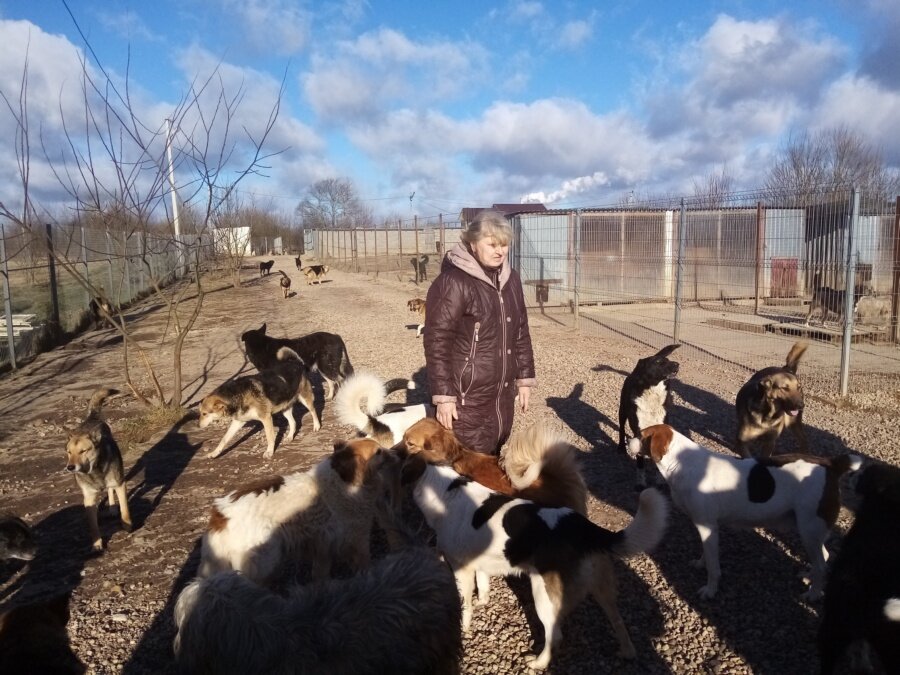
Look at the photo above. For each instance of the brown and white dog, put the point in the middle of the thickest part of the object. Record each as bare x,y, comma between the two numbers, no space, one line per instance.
770,402
324,514
94,458
314,273
417,305
714,489
536,464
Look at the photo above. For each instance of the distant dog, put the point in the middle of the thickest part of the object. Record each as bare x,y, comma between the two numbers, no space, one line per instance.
420,267
96,461
417,305
770,401
285,283
297,262
16,539
714,489
322,515
826,300
322,352
646,395
101,311
566,556
266,267
314,273
864,578
400,616
536,464
360,403
258,397
34,639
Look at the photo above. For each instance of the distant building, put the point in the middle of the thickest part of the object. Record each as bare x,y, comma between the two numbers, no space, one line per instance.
232,241
468,213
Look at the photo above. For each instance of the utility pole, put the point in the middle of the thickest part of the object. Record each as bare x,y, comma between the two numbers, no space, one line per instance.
176,221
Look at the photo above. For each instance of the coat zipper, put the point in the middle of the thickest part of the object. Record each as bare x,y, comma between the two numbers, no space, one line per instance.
503,361
470,363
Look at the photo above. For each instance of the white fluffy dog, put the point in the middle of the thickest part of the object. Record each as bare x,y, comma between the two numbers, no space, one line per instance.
360,402
323,513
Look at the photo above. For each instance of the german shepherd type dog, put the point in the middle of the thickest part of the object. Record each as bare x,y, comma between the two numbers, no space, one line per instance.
864,577
770,401
827,300
314,273
285,284
417,305
34,639
258,397
565,556
322,352
16,539
420,267
96,461
266,267
400,616
645,398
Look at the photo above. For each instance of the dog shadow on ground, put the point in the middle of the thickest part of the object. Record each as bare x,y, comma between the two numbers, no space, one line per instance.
159,467
583,418
153,654
63,547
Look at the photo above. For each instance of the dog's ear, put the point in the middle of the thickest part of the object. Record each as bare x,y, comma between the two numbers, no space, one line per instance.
413,468
344,463
263,329
659,436
766,383
665,351
219,406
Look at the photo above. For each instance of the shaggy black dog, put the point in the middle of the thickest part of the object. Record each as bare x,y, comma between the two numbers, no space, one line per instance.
420,267
865,576
266,267
322,352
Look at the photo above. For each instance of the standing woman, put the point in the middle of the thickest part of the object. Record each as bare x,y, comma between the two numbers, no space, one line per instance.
477,346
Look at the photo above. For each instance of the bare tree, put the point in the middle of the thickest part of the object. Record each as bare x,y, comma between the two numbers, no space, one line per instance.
329,203
711,192
837,157
115,172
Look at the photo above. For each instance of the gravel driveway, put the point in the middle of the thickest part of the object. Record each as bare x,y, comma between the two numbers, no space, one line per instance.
122,600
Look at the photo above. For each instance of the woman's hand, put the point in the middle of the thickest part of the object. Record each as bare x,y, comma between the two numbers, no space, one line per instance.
524,395
446,413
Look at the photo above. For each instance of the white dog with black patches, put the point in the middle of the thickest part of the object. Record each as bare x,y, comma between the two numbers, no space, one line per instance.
714,489
482,533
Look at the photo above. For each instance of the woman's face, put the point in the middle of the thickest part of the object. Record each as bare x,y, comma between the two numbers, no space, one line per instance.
490,252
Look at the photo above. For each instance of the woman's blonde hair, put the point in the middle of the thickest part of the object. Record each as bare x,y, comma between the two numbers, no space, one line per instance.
488,223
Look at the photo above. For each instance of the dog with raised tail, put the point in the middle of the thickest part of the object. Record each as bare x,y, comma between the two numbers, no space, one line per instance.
715,489
400,616
537,463
360,403
565,556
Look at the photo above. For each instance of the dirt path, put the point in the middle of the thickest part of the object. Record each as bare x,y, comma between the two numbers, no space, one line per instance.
122,599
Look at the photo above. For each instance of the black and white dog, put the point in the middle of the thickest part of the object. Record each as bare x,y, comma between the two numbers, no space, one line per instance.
863,587
482,533
360,402
320,351
646,398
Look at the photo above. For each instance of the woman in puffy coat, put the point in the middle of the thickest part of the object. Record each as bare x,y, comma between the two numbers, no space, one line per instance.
477,346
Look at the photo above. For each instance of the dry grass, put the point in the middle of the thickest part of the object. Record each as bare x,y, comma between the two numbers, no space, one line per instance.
133,431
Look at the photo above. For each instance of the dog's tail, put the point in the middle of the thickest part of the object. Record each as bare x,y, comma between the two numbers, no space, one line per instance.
793,357
345,368
359,399
646,528
285,353
541,453
97,400
844,463
892,609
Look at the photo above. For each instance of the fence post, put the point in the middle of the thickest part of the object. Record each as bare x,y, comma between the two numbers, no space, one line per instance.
895,277
760,238
400,241
109,294
849,293
87,270
387,249
143,262
126,268
7,301
365,251
416,228
441,227
54,291
576,310
679,272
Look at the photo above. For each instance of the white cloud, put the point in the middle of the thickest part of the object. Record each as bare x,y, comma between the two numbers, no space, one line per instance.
127,25
271,26
573,34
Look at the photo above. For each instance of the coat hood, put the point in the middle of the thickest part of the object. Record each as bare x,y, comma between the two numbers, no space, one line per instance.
460,256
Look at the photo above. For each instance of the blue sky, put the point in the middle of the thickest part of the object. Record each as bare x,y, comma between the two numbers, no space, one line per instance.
470,103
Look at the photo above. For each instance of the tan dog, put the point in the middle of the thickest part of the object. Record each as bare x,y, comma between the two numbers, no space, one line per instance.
537,464
769,402
285,283
96,461
315,273
418,305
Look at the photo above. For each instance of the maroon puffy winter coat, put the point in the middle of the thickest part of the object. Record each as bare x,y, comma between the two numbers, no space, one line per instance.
477,347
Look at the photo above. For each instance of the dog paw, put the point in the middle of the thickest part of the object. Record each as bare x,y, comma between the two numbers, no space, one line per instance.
269,453
97,546
539,662
316,427
481,600
707,593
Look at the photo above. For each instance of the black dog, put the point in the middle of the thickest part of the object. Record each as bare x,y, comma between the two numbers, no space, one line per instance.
322,352
266,267
865,575
828,300
297,262
16,538
420,267
33,639
645,398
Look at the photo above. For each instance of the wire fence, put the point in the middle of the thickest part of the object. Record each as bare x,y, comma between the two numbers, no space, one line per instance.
43,300
740,281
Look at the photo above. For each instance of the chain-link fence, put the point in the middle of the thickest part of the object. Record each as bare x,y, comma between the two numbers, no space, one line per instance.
43,299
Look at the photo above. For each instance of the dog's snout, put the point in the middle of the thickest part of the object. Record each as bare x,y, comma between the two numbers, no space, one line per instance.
71,468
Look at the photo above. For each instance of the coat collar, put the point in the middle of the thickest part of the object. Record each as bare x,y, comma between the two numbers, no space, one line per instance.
459,256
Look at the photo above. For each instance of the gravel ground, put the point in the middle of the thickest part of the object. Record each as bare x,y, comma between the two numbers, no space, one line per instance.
122,600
